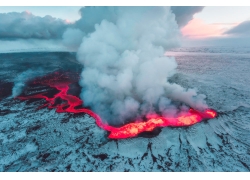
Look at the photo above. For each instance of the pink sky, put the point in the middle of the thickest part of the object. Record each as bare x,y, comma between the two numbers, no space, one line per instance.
199,29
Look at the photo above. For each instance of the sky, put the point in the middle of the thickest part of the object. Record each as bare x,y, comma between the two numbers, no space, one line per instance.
213,21
199,26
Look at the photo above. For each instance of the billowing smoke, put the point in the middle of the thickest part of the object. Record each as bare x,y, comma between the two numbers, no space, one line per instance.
125,73
72,38
21,79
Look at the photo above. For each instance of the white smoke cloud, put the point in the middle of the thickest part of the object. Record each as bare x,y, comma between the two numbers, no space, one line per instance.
21,79
72,38
125,71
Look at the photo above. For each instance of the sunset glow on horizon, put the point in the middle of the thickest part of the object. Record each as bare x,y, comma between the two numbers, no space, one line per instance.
197,28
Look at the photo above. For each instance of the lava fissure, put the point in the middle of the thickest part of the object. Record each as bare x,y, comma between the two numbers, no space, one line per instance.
73,104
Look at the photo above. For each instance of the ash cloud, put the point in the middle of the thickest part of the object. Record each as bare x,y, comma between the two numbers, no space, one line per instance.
183,14
25,25
125,72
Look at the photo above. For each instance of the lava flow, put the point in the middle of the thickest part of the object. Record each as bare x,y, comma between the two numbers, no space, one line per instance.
73,104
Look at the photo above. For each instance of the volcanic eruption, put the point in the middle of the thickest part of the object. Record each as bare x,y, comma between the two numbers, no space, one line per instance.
125,73
72,104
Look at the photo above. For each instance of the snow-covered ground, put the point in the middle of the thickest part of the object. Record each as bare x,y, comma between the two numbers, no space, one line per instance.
43,140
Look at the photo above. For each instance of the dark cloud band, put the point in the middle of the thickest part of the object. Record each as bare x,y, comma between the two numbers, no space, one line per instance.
243,29
183,14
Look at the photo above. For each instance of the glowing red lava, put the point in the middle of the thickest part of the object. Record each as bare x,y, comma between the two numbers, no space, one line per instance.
61,83
133,129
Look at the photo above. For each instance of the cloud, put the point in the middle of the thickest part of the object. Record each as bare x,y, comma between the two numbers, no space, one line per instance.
183,14
94,15
25,25
243,29
72,38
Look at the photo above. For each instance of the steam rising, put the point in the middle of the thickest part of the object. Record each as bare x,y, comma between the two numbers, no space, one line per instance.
21,79
72,38
125,74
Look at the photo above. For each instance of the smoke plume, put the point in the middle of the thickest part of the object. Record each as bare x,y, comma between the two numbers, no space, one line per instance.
125,73
21,79
72,38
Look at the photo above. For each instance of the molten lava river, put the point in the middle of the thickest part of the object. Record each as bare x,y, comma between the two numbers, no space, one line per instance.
73,104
